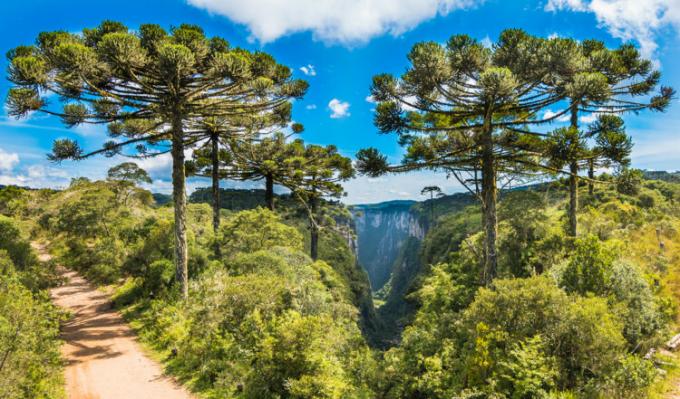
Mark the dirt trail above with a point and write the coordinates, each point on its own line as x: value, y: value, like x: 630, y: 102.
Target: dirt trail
x: 103, y: 358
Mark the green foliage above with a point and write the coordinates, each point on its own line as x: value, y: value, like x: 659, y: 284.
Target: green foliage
x: 18, y: 249
x: 589, y: 268
x: 129, y: 172
x: 629, y: 181
x: 257, y: 229
x: 527, y: 372
x: 30, y: 364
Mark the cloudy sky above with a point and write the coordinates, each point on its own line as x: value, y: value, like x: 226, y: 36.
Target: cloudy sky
x: 338, y: 45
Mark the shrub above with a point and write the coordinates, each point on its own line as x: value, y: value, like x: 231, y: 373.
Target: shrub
x: 250, y: 231
x: 589, y: 268
x: 29, y: 346
x: 18, y: 249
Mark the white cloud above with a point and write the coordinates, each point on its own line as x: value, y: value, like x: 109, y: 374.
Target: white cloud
x: 639, y: 20
x: 486, y: 42
x: 370, y: 99
x: 311, y: 106
x: 590, y: 118
x: 36, y: 176
x: 8, y: 160
x: 339, y: 109
x: 550, y: 113
x: 557, y: 5
x: 308, y: 70
x: 336, y: 21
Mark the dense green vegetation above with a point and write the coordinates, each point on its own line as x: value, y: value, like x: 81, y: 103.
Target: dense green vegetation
x: 504, y: 300
x: 565, y: 317
x: 30, y: 365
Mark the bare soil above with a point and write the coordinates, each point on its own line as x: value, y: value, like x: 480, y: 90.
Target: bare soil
x: 102, y: 355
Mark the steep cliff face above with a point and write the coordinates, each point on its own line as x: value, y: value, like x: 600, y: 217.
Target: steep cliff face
x: 381, y: 231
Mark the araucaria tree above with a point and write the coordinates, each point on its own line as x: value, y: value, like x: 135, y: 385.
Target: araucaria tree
x: 266, y: 159
x: 604, y: 82
x: 148, y: 85
x: 465, y: 108
x: 216, y: 156
x: 315, y: 172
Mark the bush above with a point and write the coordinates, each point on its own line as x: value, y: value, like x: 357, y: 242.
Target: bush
x: 250, y: 231
x: 18, y: 249
x: 29, y: 346
x: 629, y: 181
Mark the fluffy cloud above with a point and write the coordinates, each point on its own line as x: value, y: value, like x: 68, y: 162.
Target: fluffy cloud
x: 628, y: 19
x: 336, y: 21
x: 308, y: 70
x: 36, y: 176
x: 8, y: 160
x: 311, y: 106
x: 339, y: 109
x: 550, y: 113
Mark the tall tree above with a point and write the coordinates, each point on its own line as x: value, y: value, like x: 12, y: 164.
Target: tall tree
x: 148, y: 85
x: 266, y: 159
x: 601, y: 81
x: 465, y: 108
x: 315, y: 172
x: 432, y: 191
x: 217, y: 155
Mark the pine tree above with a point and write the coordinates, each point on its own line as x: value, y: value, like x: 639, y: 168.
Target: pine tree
x: 464, y: 109
x: 315, y: 172
x: 148, y: 85
x: 216, y: 157
x: 265, y: 159
x: 601, y: 81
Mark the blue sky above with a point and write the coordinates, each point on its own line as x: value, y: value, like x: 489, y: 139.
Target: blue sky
x: 338, y: 45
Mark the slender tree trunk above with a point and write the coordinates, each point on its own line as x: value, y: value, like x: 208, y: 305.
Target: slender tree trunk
x: 591, y: 176
x: 180, y: 202
x: 216, y: 191
x: 489, y: 198
x: 573, y: 199
x: 269, y: 192
x: 573, y: 180
x: 314, y: 230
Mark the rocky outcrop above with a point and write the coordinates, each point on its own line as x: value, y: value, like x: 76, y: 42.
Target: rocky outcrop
x: 381, y: 231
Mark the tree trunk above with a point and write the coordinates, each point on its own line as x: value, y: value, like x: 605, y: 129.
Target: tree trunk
x: 216, y: 191
x: 314, y: 231
x: 573, y: 199
x: 269, y: 192
x: 489, y: 198
x: 573, y: 180
x: 591, y: 176
x: 179, y: 196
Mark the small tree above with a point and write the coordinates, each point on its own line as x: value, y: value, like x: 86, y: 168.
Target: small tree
x: 432, y: 191
x: 129, y: 172
x: 126, y: 176
x: 316, y: 172
x: 148, y: 85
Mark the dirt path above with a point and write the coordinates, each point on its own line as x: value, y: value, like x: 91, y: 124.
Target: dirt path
x: 103, y: 359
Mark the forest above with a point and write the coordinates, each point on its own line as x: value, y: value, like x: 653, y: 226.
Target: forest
x: 555, y: 274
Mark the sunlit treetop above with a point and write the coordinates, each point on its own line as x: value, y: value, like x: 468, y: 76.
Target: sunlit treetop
x: 140, y: 82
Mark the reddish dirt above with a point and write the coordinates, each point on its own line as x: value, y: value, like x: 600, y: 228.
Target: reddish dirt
x: 102, y: 355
